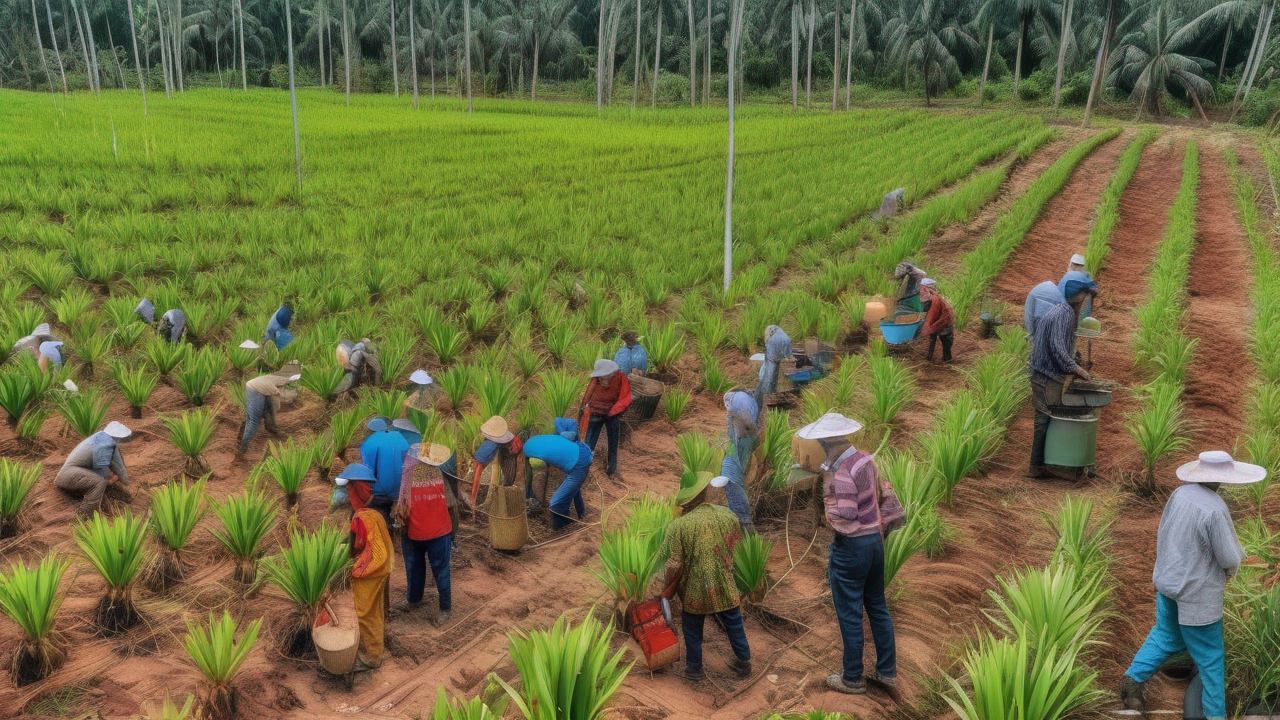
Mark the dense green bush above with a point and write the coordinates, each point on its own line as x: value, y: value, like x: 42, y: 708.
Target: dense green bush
x: 761, y: 71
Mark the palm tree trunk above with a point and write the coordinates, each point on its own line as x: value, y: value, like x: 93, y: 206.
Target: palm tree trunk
x: 119, y: 70
x: 164, y: 52
x: 706, y: 67
x: 1100, y: 63
x: 328, y: 32
x: 657, y: 61
x: 178, y: 43
x: 93, y: 49
x: 293, y: 96
x: 433, y: 62
x: 1017, y: 63
x: 835, y: 59
x: 413, y: 54
x: 808, y: 78
x: 1062, y: 53
x: 35, y: 22
x: 346, y: 47
x: 395, y: 57
x: 600, y: 59
x: 244, y: 69
x: 615, y: 23
x: 49, y: 14
x: 986, y: 65
x: 635, y: 84
x: 466, y: 15
x: 795, y: 57
x: 1226, y: 43
x: 693, y: 57
x: 924, y: 74
x: 1249, y: 60
x: 137, y: 62
x: 848, y: 62
x: 84, y: 47
x: 1262, y: 49
x: 735, y: 25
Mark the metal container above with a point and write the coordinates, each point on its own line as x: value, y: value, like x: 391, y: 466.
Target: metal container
x: 1071, y: 441
x: 1081, y: 394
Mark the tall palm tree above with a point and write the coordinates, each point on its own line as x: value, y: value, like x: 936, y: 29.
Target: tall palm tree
x: 35, y: 21
x: 137, y: 61
x: 989, y: 14
x: 1028, y: 11
x: 1100, y: 62
x: 1147, y: 60
x: 930, y: 36
x: 61, y: 70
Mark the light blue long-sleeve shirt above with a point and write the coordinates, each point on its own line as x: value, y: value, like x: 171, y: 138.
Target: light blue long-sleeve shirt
x: 1196, y: 553
x: 384, y: 452
x: 632, y: 358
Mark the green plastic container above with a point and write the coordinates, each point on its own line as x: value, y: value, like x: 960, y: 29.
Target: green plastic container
x: 1071, y: 441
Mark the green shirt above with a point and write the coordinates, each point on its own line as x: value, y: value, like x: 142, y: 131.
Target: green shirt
x: 701, y: 544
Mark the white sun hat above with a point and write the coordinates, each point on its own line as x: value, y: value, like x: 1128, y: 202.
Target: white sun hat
x: 1077, y: 259
x: 928, y: 282
x: 1216, y: 466
x: 758, y: 357
x: 604, y: 368
x: 420, y: 377
x: 117, y: 430
x: 249, y: 345
x: 70, y: 385
x: 719, y: 481
x: 829, y: 426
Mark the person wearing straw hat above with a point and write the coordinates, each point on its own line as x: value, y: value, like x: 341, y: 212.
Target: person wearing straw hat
x: 423, y: 509
x: 632, y: 358
x: 608, y: 395
x: 384, y: 452
x: 93, y: 466
x: 564, y: 452
x: 30, y: 344
x: 861, y: 509
x: 699, y: 546
x: 1197, y: 552
x: 503, y: 447
x: 777, y: 349
x: 1053, y: 359
x: 261, y: 403
x: 278, y: 328
x: 939, y: 319
x: 353, y: 486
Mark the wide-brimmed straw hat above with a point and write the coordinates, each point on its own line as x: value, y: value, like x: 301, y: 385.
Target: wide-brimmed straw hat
x: 495, y: 429
x: 117, y: 430
x: 249, y: 345
x: 434, y: 454
x: 604, y: 368
x: 692, y: 485
x: 829, y: 426
x: 1216, y: 466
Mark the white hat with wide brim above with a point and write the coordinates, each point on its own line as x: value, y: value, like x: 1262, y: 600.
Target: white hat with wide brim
x: 1077, y: 259
x: 420, y: 377
x: 604, y: 368
x: 829, y: 426
x: 1216, y: 466
x: 117, y: 430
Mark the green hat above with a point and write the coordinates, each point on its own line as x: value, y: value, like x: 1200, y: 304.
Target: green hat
x: 691, y: 485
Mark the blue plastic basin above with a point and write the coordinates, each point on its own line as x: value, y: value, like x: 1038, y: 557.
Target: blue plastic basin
x: 895, y: 333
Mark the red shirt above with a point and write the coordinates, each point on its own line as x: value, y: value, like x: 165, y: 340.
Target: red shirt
x: 359, y: 493
x: 428, y: 509
x: 612, y: 400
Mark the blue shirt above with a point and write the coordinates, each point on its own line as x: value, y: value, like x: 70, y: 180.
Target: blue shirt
x: 486, y: 452
x: 1040, y: 301
x: 1078, y: 276
x: 632, y: 358
x: 278, y: 329
x: 743, y: 414
x: 384, y: 453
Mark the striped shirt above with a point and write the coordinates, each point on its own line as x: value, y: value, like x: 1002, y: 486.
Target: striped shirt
x: 1053, y: 347
x: 853, y: 504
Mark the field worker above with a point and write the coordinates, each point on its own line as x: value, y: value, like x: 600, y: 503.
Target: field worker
x: 564, y: 452
x: 1076, y: 264
x: 939, y: 319
x: 360, y: 360
x: 278, y: 328
x: 373, y: 559
x: 777, y: 349
x: 632, y: 357
x: 30, y: 344
x: 90, y: 467
x: 1053, y: 358
x: 383, y: 451
x: 1197, y: 552
x: 407, y: 430
x: 861, y: 509
x: 735, y: 471
x: 261, y: 403
x: 700, y: 570
x: 50, y: 355
x: 1040, y: 301
x: 500, y: 446
x: 172, y: 324
x: 423, y: 509
x: 1079, y: 275
x: 608, y: 395
x: 909, y: 277
x: 353, y: 486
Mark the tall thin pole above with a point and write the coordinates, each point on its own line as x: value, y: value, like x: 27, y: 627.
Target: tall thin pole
x: 413, y: 53
x: 395, y: 57
x: 35, y: 22
x: 293, y: 95
x: 244, y: 69
x: 734, y: 23
x: 137, y: 61
x: 635, y: 85
x: 467, y: 31
x: 49, y: 14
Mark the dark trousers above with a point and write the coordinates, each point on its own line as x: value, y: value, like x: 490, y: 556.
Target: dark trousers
x: 417, y: 555
x: 1045, y: 392
x: 855, y: 569
x: 611, y: 425
x: 383, y: 505
x: 948, y: 337
x: 691, y: 626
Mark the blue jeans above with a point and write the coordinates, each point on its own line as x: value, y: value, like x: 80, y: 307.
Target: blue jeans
x: 436, y: 552
x: 1204, y: 642
x: 611, y: 426
x: 691, y: 626
x: 569, y: 492
x: 738, y: 503
x: 855, y: 569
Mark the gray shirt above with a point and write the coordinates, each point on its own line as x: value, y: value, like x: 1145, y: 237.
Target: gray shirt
x: 1196, y: 553
x: 99, y: 453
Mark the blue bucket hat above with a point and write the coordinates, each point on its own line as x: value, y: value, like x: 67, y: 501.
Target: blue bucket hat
x: 378, y: 424
x: 566, y: 428
x: 355, y: 471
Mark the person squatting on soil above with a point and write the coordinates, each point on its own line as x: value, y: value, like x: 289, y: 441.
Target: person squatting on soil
x: 700, y: 570
x: 424, y: 510
x: 742, y: 429
x: 41, y: 345
x: 171, y: 327
x: 1197, y: 552
x: 90, y: 467
x: 360, y: 360
x: 939, y: 319
x: 632, y: 358
x: 500, y: 446
x: 1053, y: 358
x: 564, y: 452
x: 261, y: 403
x: 777, y: 349
x: 607, y: 396
x: 278, y: 327
x: 861, y: 509
x: 372, y: 562
x: 384, y: 452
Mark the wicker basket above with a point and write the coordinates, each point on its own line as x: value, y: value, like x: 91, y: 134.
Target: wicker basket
x: 646, y: 393
x: 336, y: 637
x: 508, y: 518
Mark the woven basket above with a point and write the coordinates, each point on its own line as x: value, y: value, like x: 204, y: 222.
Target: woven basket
x: 508, y: 519
x: 646, y: 393
x: 338, y: 643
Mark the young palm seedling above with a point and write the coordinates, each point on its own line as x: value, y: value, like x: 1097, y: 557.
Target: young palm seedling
x: 1051, y: 605
x: 303, y: 571
x: 456, y: 383
x: 446, y: 341
x: 324, y: 452
x: 85, y: 411
x: 1020, y: 679
x: 323, y: 380
x: 165, y: 356
x: 115, y: 549
x: 16, y: 481
x: 288, y: 463
x: 343, y: 424
x: 176, y: 507
x: 560, y: 390
x: 629, y: 564
x: 892, y: 388
x: 136, y: 384
x: 665, y: 344
x: 218, y: 657
x: 30, y: 597
x: 473, y: 709
x: 22, y: 382
x: 714, y: 378
x: 565, y: 671
x: 1159, y: 428
x: 384, y: 403
x: 197, y: 376
x: 246, y: 519
x: 750, y: 558
x: 191, y: 432
x: 92, y: 351
x: 697, y: 454
x: 674, y: 401
x: 496, y: 394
